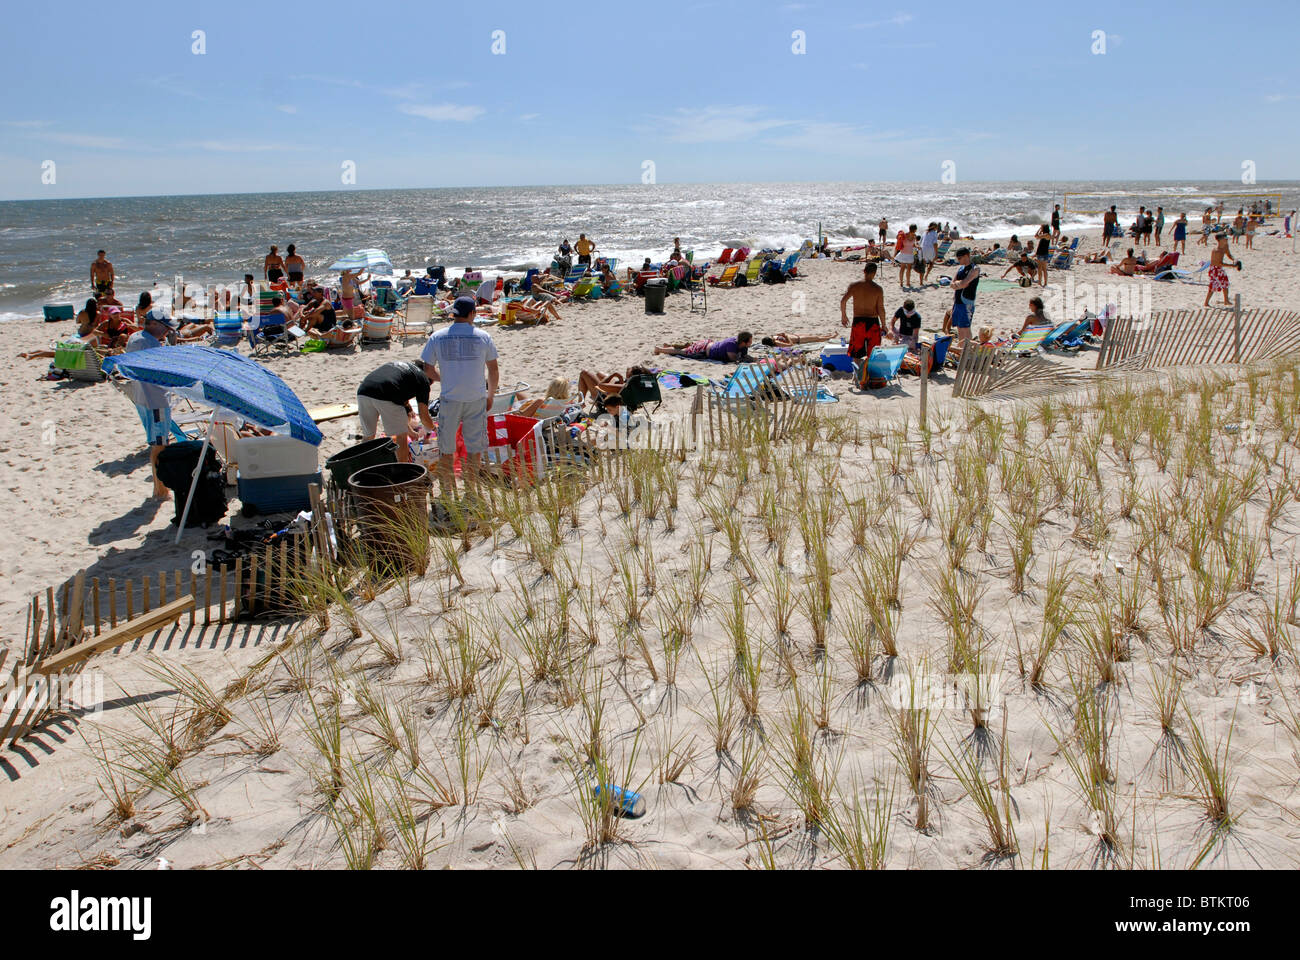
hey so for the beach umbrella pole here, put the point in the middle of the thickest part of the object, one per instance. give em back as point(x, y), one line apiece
point(194, 477)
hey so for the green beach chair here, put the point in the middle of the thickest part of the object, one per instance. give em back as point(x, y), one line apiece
point(80, 361)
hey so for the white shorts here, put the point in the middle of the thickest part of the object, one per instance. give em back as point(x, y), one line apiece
point(905, 257)
point(372, 411)
point(471, 417)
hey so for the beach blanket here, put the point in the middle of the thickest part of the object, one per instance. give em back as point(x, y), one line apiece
point(676, 379)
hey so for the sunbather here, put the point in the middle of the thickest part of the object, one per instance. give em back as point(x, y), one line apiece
point(1166, 261)
point(594, 385)
point(793, 340)
point(541, 311)
point(558, 389)
point(1127, 266)
point(1036, 317)
point(729, 350)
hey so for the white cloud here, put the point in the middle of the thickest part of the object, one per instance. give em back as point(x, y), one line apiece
point(442, 111)
point(715, 124)
point(287, 108)
point(524, 118)
point(897, 20)
point(89, 141)
point(1280, 97)
point(230, 146)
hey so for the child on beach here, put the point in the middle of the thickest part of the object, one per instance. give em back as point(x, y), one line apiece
point(1218, 275)
point(906, 325)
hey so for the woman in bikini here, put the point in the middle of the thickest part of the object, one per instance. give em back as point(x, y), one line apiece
point(273, 266)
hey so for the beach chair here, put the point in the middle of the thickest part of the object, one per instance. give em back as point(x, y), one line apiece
point(575, 274)
point(1030, 340)
point(752, 271)
point(1056, 332)
point(386, 297)
point(881, 367)
point(725, 256)
point(79, 361)
point(270, 335)
point(583, 289)
point(941, 251)
point(59, 311)
point(1073, 338)
point(502, 402)
point(938, 357)
point(641, 389)
point(725, 279)
point(228, 329)
point(415, 317)
point(376, 330)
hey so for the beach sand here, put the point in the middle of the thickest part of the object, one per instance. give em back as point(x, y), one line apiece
point(77, 482)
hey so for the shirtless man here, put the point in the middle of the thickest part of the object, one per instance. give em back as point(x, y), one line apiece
point(1219, 276)
point(102, 275)
point(884, 229)
point(868, 313)
point(1127, 266)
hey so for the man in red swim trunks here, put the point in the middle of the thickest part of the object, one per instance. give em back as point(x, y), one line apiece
point(1219, 276)
point(868, 313)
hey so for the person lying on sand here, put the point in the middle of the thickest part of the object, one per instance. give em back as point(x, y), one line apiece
point(793, 340)
point(730, 350)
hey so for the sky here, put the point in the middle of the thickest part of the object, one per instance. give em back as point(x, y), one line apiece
point(128, 100)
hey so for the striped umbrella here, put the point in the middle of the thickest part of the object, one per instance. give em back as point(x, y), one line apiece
point(369, 259)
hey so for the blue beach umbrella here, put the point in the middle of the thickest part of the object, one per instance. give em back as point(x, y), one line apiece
point(221, 379)
point(225, 379)
point(369, 259)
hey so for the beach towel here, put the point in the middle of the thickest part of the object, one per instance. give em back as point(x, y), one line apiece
point(676, 379)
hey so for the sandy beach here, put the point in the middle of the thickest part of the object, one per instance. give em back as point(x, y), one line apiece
point(77, 482)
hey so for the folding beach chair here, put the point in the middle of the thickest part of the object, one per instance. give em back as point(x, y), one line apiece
point(725, 279)
point(752, 271)
point(228, 329)
point(1030, 340)
point(583, 289)
point(881, 367)
point(376, 330)
point(1056, 332)
point(1185, 276)
point(79, 361)
point(270, 335)
point(725, 256)
point(1073, 338)
point(415, 317)
point(502, 402)
point(640, 390)
point(576, 274)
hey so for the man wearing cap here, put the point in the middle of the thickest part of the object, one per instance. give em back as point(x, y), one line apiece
point(463, 359)
point(963, 298)
point(152, 400)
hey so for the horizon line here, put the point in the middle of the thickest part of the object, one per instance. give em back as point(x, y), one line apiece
point(1247, 188)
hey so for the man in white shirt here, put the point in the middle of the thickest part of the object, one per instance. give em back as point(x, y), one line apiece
point(463, 359)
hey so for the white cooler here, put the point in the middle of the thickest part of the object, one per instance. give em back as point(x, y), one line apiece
point(274, 473)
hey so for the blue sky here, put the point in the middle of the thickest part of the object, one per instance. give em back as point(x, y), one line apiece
point(710, 91)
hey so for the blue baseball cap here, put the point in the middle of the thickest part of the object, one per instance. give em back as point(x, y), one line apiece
point(463, 307)
point(159, 315)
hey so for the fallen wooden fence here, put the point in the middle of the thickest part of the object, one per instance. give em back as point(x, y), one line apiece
point(778, 407)
point(86, 616)
point(1171, 338)
point(984, 371)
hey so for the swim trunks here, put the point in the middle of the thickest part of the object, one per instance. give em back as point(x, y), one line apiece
point(864, 336)
point(274, 274)
point(295, 276)
point(1218, 279)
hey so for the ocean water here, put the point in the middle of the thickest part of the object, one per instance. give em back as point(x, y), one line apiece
point(46, 246)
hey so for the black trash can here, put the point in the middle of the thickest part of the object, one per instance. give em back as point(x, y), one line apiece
point(368, 454)
point(656, 291)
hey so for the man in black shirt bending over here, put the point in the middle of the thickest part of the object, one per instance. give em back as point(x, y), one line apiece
point(386, 394)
